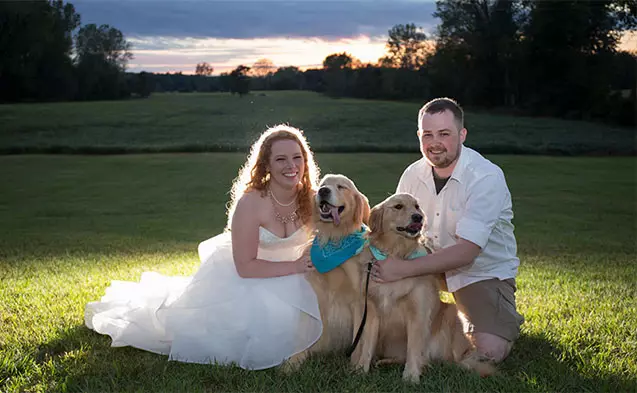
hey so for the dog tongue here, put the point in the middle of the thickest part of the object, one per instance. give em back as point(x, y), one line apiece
point(335, 216)
point(416, 226)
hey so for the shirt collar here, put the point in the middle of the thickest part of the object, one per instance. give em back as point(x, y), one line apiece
point(461, 165)
point(458, 171)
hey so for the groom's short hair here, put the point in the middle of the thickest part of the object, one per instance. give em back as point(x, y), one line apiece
point(439, 105)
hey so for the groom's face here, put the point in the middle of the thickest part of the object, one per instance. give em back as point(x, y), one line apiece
point(440, 138)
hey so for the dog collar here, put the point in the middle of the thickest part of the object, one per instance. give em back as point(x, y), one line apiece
point(334, 254)
point(380, 256)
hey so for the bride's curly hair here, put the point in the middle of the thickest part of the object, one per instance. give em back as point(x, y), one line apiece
point(254, 175)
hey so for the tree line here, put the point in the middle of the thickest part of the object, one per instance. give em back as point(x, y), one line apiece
point(47, 55)
point(541, 58)
point(547, 58)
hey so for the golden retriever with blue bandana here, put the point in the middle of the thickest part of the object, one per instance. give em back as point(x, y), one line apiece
point(339, 210)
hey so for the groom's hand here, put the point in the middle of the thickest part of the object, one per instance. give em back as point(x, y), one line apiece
point(390, 269)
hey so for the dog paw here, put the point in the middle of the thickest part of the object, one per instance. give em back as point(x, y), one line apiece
point(290, 367)
point(411, 376)
point(360, 366)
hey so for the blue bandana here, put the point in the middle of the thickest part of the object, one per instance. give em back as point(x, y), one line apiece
point(333, 254)
point(380, 256)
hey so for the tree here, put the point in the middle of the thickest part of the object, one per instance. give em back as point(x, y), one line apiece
point(64, 21)
point(35, 47)
point(239, 80)
point(204, 69)
point(99, 80)
point(477, 50)
point(225, 82)
point(102, 55)
point(314, 79)
point(142, 84)
point(104, 42)
point(338, 61)
point(569, 48)
point(338, 76)
point(263, 68)
point(407, 47)
point(369, 82)
point(287, 78)
point(626, 13)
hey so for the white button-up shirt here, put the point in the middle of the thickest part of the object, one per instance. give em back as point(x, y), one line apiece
point(475, 205)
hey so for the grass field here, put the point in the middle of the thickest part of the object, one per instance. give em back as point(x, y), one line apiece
point(220, 122)
point(70, 224)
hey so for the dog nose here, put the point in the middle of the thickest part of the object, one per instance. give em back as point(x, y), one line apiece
point(416, 218)
point(324, 192)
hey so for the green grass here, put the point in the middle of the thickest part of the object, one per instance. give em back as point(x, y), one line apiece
point(70, 224)
point(220, 122)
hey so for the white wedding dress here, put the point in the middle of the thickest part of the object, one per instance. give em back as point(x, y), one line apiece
point(215, 316)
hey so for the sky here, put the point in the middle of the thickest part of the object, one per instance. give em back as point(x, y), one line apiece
point(175, 35)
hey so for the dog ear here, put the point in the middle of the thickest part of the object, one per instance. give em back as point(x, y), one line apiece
point(361, 214)
point(376, 219)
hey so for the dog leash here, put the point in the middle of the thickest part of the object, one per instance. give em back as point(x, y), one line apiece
point(359, 333)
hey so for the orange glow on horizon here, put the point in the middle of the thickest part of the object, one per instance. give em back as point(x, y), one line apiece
point(182, 55)
point(628, 42)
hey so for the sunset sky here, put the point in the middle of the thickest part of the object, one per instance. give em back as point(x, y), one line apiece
point(175, 35)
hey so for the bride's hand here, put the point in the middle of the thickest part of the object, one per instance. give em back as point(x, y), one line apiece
point(303, 264)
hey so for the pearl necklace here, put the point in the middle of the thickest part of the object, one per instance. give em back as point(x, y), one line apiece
point(277, 201)
point(292, 217)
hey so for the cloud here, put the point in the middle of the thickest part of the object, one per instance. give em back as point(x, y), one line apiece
point(175, 35)
point(328, 20)
point(163, 54)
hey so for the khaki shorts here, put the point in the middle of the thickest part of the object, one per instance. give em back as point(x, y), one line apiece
point(489, 307)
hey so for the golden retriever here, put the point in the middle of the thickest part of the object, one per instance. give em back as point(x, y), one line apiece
point(407, 322)
point(339, 210)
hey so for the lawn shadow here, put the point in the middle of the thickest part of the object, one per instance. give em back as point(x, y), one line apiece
point(542, 365)
point(88, 363)
point(98, 367)
point(84, 361)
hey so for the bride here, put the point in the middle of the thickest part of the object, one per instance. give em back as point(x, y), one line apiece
point(249, 302)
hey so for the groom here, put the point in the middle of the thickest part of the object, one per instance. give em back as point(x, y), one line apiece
point(468, 207)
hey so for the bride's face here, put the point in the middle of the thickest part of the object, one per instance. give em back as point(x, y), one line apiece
point(286, 163)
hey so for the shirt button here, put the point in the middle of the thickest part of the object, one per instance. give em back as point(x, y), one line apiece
point(437, 214)
point(436, 236)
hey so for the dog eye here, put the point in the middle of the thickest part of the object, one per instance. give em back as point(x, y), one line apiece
point(341, 187)
point(398, 206)
point(417, 207)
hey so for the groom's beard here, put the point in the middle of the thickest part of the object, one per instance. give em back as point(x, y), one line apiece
point(443, 159)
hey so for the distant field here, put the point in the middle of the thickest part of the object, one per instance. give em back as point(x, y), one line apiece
point(221, 122)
